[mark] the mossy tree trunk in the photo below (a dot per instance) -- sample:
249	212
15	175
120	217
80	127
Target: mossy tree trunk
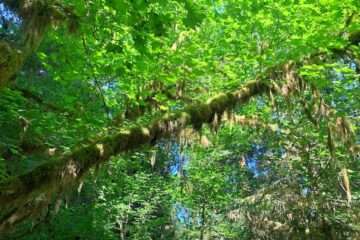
36	17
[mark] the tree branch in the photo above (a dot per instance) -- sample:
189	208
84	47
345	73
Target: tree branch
21	196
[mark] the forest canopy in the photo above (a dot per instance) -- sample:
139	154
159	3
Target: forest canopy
179	119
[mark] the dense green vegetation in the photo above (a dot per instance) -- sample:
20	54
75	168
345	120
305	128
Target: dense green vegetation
179	119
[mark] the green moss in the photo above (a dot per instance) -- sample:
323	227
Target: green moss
219	103
120	141
138	136
86	156
10	61
199	114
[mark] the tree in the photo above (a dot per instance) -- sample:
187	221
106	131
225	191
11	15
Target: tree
135	73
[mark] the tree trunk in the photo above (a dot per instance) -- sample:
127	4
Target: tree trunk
37	16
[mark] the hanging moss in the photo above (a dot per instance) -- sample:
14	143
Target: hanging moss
109	143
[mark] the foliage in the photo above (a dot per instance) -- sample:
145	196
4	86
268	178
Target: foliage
271	169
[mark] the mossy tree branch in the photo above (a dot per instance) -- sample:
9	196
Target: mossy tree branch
24	196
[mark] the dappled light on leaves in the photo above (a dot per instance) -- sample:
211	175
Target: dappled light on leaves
179	119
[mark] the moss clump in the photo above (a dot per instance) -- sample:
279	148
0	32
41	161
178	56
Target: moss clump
86	156
120	141
138	136
199	114
219	104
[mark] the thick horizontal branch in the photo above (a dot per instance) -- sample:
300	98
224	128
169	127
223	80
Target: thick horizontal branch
24	196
